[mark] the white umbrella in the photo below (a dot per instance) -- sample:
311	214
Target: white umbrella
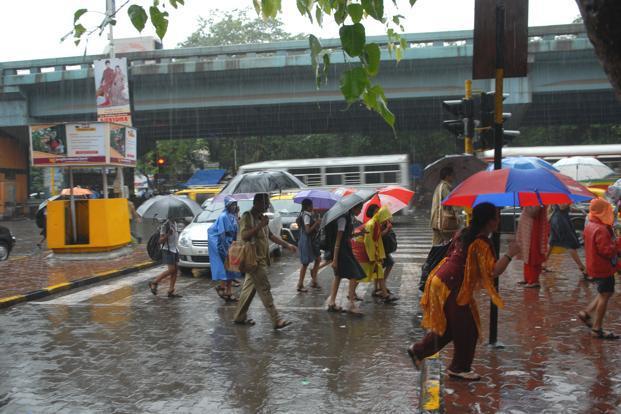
583	168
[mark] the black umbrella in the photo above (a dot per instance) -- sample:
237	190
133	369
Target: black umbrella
345	204
262	182
168	207
463	165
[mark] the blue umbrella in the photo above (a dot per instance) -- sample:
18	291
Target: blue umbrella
523	163
321	199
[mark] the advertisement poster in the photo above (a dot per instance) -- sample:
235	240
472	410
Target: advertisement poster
112	90
83	144
123	145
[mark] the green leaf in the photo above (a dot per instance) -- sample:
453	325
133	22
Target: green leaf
176	3
138	16
257	6
78	31
326	65
374	8
412	2
398	53
304	6
352	39
78	13
340	13
315	48
372	55
159	21
355	12
270	8
375	100
318	16
353	84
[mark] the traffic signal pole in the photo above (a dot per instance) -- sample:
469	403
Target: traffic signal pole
498	141
469	119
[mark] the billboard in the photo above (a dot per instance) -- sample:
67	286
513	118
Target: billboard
83	144
112	90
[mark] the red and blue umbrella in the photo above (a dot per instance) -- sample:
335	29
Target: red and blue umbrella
515	187
523	163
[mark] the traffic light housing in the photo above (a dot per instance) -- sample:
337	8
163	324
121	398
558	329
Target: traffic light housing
456	126
484	125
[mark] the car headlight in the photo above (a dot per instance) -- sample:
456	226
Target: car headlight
294	226
184	240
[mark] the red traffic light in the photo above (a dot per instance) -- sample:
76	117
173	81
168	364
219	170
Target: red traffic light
161	161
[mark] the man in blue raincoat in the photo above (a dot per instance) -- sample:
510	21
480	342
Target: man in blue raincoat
221	235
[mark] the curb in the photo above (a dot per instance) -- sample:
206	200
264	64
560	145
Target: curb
50	290
431	389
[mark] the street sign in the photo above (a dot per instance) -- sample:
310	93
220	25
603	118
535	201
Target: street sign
515	39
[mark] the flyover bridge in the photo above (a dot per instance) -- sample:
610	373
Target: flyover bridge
269	89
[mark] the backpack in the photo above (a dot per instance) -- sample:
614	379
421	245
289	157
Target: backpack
390	242
40	218
435	256
327	237
154	247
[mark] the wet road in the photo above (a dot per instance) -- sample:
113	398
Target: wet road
116	348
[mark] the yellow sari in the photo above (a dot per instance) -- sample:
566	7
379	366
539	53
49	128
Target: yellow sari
374	246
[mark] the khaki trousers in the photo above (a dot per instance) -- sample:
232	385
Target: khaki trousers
256	282
441	237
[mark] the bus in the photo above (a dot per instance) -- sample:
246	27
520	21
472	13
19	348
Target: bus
356	172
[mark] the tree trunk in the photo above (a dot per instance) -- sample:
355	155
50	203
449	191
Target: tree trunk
602	19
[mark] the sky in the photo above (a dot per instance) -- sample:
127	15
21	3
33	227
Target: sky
32	29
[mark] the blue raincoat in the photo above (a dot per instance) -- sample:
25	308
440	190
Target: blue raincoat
220	236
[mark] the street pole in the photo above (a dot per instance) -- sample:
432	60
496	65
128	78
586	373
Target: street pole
74	229
469	127
498	135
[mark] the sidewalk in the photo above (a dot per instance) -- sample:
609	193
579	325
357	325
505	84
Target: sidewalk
30	273
549	363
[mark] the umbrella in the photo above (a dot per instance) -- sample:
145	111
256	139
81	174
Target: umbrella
77	191
44	203
523	163
394	197
513	187
583	168
463	165
345	204
169	206
262	182
321	199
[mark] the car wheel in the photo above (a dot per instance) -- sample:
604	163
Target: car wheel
186	271
4	251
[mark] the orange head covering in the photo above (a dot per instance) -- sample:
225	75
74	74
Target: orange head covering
602	210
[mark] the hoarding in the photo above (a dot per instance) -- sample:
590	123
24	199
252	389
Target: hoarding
83	144
112	90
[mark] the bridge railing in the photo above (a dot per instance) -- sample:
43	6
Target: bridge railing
287	48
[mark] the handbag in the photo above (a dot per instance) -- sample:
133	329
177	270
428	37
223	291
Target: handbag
435	256
390	242
448	220
242	257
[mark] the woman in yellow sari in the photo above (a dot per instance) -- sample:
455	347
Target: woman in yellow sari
369	250
450	311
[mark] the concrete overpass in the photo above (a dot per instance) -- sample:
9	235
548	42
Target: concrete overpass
265	89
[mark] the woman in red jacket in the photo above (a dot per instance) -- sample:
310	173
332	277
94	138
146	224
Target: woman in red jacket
601	259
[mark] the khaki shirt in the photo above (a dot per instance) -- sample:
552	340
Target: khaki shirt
261	240
443	189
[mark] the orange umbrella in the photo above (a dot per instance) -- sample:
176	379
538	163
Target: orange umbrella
77	191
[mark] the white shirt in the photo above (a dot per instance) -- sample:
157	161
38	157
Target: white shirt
173	236
340	223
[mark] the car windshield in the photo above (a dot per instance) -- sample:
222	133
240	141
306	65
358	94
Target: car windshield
210	215
286	207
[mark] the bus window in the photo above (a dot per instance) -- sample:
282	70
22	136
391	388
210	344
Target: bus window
382	174
343	175
309	176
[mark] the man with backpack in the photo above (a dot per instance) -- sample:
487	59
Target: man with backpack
168	238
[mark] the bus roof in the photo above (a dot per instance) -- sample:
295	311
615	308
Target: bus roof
558	152
332	162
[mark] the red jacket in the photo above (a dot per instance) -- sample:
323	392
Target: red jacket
599	248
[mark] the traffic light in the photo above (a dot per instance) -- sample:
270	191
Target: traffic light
161	161
456	126
484	125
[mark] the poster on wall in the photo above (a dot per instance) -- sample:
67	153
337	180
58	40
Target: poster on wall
48	144
123	145
112	90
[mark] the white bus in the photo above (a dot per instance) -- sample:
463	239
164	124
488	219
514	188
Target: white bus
357	172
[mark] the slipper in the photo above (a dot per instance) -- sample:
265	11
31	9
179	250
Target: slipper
174	295
315	286
153	287
417	362
390	298
282	324
585	318
468	376
220	292
334	308
235	283
377	293
354	312
600	334
249	322
302	289
532	285
230	299
521	282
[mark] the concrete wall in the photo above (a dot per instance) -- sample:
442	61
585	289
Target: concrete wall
13	175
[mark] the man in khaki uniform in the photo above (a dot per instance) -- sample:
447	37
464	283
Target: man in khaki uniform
253	227
442	234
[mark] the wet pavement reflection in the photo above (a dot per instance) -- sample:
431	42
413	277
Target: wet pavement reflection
115	348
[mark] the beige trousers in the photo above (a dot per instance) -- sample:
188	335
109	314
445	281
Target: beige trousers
256	282
441	237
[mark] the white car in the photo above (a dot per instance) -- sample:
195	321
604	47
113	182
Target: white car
193	245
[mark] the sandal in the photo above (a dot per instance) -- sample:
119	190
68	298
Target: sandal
521	282
585	318
174	295
334	308
390	298
532	285
220	292
417	362
302	289
248	322
235	283
600	334
282	324
153	287
354	311
377	293
468	376
356	298
230	299
315	285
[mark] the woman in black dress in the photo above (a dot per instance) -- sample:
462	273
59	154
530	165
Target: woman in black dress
344	263
563	234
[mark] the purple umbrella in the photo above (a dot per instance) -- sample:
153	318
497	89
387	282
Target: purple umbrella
321	199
